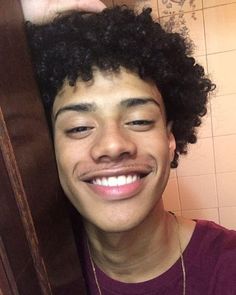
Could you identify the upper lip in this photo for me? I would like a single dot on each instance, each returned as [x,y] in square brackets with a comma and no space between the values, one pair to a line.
[109,172]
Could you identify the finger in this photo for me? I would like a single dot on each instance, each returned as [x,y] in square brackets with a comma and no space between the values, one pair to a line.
[91,6]
[81,5]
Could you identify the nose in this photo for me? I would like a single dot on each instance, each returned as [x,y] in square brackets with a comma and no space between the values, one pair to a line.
[113,144]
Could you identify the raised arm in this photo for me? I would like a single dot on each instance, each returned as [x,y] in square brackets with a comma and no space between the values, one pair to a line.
[42,11]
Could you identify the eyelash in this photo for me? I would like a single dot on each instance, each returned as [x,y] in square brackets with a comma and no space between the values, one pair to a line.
[140,122]
[79,129]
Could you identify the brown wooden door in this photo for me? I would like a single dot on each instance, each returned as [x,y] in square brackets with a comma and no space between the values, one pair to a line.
[38,255]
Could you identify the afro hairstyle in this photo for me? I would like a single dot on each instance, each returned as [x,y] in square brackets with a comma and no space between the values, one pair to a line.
[71,46]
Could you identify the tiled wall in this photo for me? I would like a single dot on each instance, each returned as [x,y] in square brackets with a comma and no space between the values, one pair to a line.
[204,185]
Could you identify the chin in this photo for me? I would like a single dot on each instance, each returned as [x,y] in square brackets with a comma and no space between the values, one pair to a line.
[119,224]
[119,228]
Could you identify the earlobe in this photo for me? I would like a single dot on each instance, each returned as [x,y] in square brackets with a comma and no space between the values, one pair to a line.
[172,142]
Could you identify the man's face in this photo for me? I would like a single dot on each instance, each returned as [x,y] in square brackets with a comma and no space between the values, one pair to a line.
[113,148]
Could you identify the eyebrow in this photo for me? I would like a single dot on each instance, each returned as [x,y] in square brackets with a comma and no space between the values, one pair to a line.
[80,107]
[133,102]
[92,107]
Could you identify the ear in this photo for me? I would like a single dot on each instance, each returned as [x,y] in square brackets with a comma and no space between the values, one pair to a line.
[171,140]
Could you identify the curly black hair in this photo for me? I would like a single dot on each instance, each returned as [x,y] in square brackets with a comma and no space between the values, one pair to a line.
[71,46]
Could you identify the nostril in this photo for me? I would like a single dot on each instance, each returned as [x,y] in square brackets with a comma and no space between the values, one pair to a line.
[124,154]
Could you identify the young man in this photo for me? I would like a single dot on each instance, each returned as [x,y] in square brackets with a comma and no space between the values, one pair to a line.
[123,98]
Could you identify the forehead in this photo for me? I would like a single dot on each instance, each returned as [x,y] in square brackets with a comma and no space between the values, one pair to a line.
[107,90]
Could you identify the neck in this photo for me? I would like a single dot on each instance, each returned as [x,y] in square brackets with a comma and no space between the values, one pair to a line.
[126,256]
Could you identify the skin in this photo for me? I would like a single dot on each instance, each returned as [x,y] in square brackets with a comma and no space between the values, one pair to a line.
[131,237]
[43,11]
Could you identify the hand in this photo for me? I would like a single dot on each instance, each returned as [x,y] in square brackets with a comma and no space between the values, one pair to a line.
[43,11]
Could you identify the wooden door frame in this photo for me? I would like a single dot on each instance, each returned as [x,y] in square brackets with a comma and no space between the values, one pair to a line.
[25,142]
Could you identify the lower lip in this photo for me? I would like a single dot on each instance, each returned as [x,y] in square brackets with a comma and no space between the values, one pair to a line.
[118,192]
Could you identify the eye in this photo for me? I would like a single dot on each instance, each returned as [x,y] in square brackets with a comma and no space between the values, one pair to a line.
[79,131]
[141,125]
[140,122]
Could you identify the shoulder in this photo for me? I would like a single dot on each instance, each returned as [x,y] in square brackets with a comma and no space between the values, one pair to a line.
[220,255]
[216,245]
[214,238]
[211,258]
[211,232]
[211,244]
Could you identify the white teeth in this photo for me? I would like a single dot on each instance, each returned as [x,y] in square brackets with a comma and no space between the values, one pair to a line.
[121,180]
[116,180]
[99,182]
[112,181]
[135,177]
[104,181]
[129,179]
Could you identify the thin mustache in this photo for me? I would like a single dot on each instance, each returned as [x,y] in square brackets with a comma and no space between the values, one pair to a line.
[125,168]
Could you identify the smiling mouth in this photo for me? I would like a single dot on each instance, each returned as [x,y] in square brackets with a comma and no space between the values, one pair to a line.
[117,187]
[119,180]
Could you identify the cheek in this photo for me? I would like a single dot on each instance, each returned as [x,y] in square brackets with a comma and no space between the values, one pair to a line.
[67,160]
[155,144]
[71,157]
[65,154]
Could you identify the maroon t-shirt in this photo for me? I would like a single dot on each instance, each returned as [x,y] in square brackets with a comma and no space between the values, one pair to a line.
[210,262]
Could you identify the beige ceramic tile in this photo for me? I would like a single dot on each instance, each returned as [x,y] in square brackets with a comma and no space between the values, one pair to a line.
[173,173]
[210,3]
[205,129]
[198,192]
[225,153]
[199,161]
[154,5]
[171,196]
[201,60]
[220,35]
[222,67]
[206,214]
[196,31]
[189,27]
[169,6]
[223,114]
[226,187]
[227,217]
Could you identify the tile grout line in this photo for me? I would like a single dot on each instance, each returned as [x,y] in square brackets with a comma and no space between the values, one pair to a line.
[158,10]
[178,191]
[219,52]
[210,104]
[205,174]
